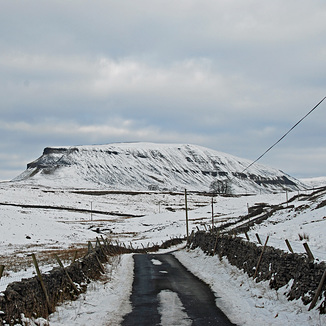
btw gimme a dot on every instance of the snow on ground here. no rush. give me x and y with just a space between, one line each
301 222
35 218
244 301
306 228
60 223
314 182
104 303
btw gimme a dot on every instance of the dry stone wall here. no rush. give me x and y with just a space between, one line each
277 266
27 296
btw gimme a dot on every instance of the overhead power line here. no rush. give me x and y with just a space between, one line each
315 107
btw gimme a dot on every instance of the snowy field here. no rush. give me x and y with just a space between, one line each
40 220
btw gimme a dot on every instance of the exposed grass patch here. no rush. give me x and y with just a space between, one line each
21 261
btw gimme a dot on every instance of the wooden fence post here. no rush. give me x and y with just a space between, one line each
2 267
144 248
289 246
90 247
100 264
101 248
261 255
50 308
257 236
247 236
215 243
308 251
109 244
113 249
320 286
68 277
190 238
186 207
103 240
75 256
212 213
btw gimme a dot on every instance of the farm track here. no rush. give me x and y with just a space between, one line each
154 273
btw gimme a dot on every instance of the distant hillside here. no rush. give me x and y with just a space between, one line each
315 182
150 166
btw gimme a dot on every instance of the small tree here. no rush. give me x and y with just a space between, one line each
220 187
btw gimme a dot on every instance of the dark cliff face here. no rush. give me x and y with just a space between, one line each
51 157
159 167
53 150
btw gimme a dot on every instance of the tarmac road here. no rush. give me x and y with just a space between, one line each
154 273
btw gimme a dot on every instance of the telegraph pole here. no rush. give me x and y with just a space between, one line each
212 213
186 204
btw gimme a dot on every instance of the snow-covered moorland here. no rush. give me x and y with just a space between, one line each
40 219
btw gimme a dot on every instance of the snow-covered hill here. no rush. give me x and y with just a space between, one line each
314 182
150 166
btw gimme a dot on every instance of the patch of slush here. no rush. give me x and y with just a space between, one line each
171 310
156 262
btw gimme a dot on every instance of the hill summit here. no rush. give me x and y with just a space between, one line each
151 166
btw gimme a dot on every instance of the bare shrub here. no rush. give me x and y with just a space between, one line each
303 236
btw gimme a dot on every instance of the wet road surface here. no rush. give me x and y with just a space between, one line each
155 273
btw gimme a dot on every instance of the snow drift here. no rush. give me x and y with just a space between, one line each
150 166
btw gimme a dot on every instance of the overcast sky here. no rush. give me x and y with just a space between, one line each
230 75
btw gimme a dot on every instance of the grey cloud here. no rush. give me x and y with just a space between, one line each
229 75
